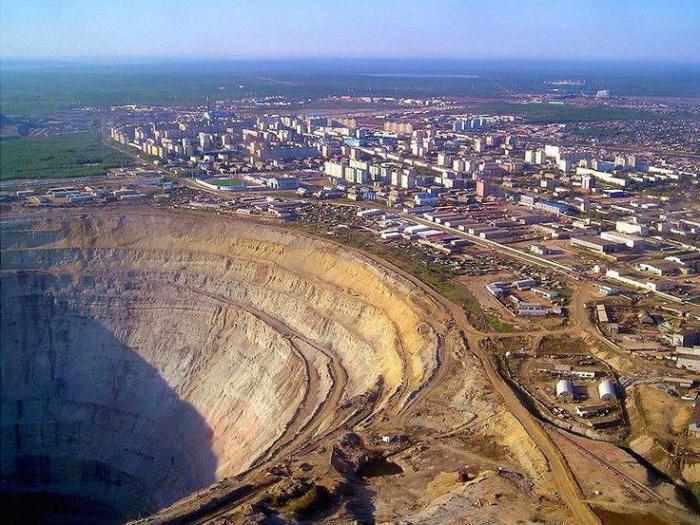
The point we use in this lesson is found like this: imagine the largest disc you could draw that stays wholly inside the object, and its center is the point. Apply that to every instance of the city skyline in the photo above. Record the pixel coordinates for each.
(587, 30)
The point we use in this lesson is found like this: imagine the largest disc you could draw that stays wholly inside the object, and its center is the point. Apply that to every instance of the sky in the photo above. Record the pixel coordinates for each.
(659, 30)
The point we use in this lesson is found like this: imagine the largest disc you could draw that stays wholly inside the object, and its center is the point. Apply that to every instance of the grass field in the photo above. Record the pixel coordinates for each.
(80, 155)
(227, 182)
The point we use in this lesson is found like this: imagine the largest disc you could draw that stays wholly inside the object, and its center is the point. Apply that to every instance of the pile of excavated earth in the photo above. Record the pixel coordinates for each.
(178, 368)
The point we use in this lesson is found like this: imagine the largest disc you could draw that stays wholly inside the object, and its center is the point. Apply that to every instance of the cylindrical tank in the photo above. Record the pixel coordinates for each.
(565, 388)
(607, 391)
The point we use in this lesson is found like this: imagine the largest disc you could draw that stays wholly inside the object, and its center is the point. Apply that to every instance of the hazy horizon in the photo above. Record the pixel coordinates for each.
(282, 30)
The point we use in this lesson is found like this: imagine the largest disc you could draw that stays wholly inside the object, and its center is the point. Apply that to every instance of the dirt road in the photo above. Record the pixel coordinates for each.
(570, 491)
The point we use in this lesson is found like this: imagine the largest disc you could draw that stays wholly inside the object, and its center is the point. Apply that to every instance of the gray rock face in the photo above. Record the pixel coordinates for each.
(82, 413)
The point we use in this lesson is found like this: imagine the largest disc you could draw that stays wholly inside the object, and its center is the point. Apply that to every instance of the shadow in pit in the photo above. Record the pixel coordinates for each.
(359, 504)
(91, 432)
(656, 477)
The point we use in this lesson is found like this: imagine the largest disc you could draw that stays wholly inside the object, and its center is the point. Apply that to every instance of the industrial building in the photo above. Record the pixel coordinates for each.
(283, 183)
(607, 390)
(631, 241)
(565, 389)
(597, 244)
(661, 267)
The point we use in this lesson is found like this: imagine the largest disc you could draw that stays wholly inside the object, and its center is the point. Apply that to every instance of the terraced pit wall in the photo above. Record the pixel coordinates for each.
(145, 356)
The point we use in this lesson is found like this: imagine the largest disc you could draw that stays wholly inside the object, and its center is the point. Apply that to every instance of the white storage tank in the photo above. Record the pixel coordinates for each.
(607, 390)
(565, 389)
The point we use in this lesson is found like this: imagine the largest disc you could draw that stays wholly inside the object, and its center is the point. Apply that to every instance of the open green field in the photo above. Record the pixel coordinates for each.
(228, 182)
(79, 155)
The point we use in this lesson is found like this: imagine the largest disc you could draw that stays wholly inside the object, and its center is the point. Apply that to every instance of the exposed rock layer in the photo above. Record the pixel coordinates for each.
(145, 356)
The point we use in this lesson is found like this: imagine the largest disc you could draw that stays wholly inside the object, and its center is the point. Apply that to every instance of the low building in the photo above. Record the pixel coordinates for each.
(631, 241)
(425, 199)
(644, 284)
(539, 249)
(686, 338)
(547, 294)
(497, 289)
(283, 183)
(563, 370)
(601, 313)
(524, 284)
(536, 309)
(604, 422)
(633, 228)
(690, 259)
(660, 267)
(597, 244)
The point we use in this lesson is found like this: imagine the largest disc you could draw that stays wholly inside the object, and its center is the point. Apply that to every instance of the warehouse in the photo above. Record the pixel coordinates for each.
(631, 241)
(597, 244)
(661, 267)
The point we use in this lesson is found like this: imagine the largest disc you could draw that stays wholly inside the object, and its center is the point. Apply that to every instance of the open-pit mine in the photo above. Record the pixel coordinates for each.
(171, 367)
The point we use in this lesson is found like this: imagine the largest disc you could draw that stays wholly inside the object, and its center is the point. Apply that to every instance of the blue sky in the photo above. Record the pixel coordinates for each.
(555, 29)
